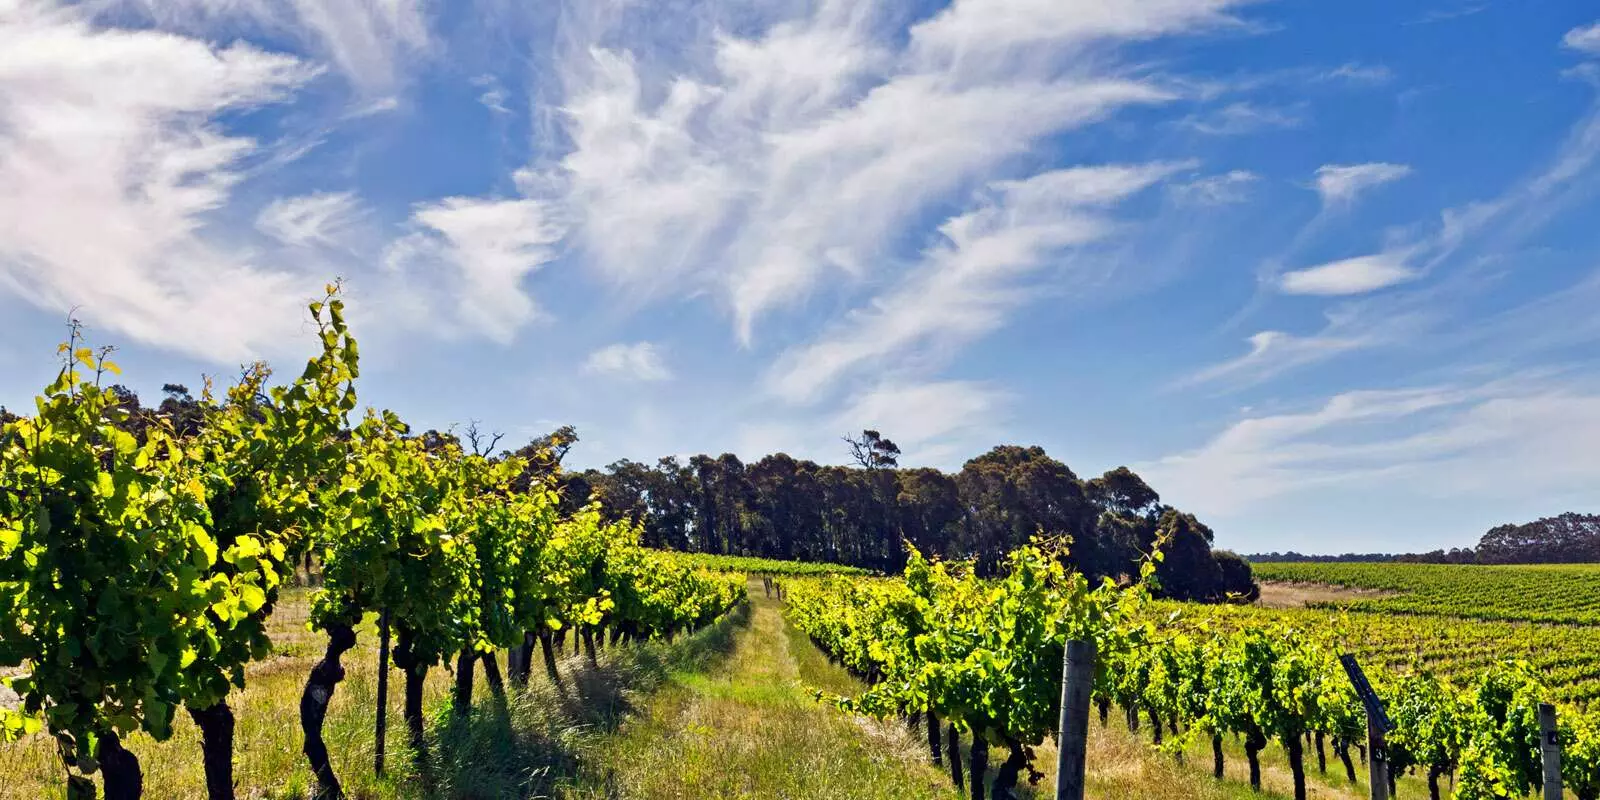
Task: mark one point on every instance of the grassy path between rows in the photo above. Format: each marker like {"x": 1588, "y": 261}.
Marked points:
{"x": 747, "y": 727}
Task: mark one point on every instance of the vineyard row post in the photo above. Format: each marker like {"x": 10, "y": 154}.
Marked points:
{"x": 1550, "y": 751}
{"x": 1378, "y": 727}
{"x": 1377, "y": 760}
{"x": 1077, "y": 680}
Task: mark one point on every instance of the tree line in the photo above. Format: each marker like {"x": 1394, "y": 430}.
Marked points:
{"x": 865, "y": 514}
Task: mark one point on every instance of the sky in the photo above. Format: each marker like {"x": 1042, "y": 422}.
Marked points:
{"x": 1326, "y": 274}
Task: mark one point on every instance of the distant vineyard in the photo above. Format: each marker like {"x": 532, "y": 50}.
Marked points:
{"x": 762, "y": 566}
{"x": 1567, "y": 658}
{"x": 1564, "y": 593}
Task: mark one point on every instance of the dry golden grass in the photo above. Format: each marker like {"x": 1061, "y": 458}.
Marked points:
{"x": 1277, "y": 594}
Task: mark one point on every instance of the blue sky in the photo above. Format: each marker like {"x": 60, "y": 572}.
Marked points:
{"x": 1324, "y": 273}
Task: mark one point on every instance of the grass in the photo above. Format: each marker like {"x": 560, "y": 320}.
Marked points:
{"x": 267, "y": 761}
{"x": 525, "y": 748}
{"x": 749, "y": 728}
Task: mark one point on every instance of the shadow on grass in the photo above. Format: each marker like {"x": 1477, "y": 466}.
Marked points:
{"x": 533, "y": 743}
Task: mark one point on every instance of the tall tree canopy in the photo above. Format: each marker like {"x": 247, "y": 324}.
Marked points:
{"x": 783, "y": 507}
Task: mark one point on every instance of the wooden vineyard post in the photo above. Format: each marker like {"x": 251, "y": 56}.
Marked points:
{"x": 1378, "y": 727}
{"x": 1377, "y": 761}
{"x": 1550, "y": 749}
{"x": 1077, "y": 680}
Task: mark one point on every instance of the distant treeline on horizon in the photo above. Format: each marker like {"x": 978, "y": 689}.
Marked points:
{"x": 1570, "y": 538}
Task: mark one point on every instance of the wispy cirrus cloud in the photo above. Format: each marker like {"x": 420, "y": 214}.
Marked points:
{"x": 478, "y": 251}
{"x": 1437, "y": 441}
{"x": 1227, "y": 188}
{"x": 1444, "y": 14}
{"x": 965, "y": 285}
{"x": 639, "y": 361}
{"x": 1340, "y": 184}
{"x": 316, "y": 219}
{"x": 372, "y": 43}
{"x": 1240, "y": 118}
{"x": 1360, "y": 73}
{"x": 1479, "y": 230}
{"x": 810, "y": 145}
{"x": 111, "y": 168}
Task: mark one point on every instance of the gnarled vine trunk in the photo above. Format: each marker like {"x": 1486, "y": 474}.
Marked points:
{"x": 1294, "y": 746}
{"x": 1216, "y": 756}
{"x": 977, "y": 766}
{"x": 416, "y": 673}
{"x": 1433, "y": 782}
{"x": 1322, "y": 755}
{"x": 466, "y": 660}
{"x": 491, "y": 676}
{"x": 1254, "y": 741}
{"x": 119, "y": 768}
{"x": 933, "y": 738}
{"x": 325, "y": 677}
{"x": 380, "y": 725}
{"x": 524, "y": 665}
{"x": 952, "y": 743}
{"x": 549, "y": 657}
{"x": 588, "y": 646}
{"x": 1342, "y": 750}
{"x": 1005, "y": 779}
{"x": 216, "y": 747}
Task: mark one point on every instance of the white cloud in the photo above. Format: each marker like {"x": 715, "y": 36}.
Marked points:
{"x": 1446, "y": 14}
{"x": 1272, "y": 352}
{"x": 1350, "y": 276}
{"x": 1360, "y": 73}
{"x": 964, "y": 286}
{"x": 1492, "y": 440}
{"x": 640, "y": 361}
{"x": 480, "y": 250}
{"x": 812, "y": 146}
{"x": 1480, "y": 230}
{"x": 1584, "y": 39}
{"x": 317, "y": 219}
{"x": 494, "y": 94}
{"x": 1340, "y": 184}
{"x": 1236, "y": 119}
{"x": 1352, "y": 326}
{"x": 371, "y": 42}
{"x": 110, "y": 170}
{"x": 977, "y": 28}
{"x": 1215, "y": 190}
